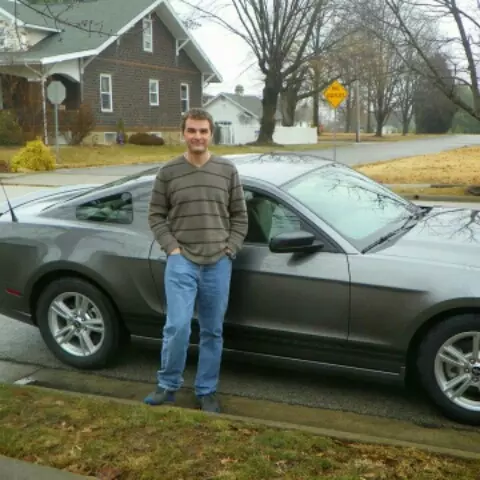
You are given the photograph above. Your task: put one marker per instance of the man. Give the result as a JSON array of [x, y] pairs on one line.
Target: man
[[198, 216]]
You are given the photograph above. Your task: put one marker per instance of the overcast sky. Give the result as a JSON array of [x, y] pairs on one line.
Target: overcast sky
[[231, 55]]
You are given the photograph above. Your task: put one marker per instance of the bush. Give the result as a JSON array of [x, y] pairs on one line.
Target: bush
[[78, 125], [11, 133], [4, 166], [145, 139], [34, 156]]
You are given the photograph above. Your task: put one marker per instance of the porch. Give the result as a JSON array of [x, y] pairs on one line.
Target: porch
[[23, 97]]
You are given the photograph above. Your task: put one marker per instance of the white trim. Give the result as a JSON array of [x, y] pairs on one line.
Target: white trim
[[153, 81], [188, 97], [180, 44], [147, 21], [109, 76], [241, 107], [68, 56], [11, 17], [43, 29]]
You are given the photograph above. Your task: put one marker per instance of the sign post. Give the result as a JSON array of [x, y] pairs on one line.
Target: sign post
[[335, 94], [56, 93]]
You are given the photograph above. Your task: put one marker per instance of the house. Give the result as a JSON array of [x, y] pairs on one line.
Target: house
[[238, 108], [238, 119], [130, 61]]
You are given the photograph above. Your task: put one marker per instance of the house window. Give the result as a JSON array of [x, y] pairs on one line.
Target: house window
[[110, 138], [184, 97], [106, 97], [147, 35], [154, 92]]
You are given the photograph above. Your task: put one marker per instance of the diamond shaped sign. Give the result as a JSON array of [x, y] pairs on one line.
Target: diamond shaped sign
[[335, 94]]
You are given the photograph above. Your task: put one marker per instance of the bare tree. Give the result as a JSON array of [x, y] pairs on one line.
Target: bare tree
[[278, 32], [465, 16]]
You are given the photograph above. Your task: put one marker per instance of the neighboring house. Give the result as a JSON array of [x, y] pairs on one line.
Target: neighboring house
[[238, 117], [130, 60], [238, 109]]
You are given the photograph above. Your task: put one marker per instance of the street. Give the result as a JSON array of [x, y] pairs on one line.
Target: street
[[23, 343], [352, 154]]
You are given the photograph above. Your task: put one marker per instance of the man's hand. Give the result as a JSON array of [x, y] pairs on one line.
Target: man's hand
[[175, 251]]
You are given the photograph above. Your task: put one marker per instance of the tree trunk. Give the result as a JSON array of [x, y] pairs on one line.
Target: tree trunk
[[271, 92], [289, 106], [405, 124], [316, 105], [348, 115], [369, 115], [380, 117]]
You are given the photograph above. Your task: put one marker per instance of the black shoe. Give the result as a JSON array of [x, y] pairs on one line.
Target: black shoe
[[160, 397], [209, 403]]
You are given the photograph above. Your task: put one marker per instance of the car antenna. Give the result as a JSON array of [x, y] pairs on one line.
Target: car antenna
[[12, 212]]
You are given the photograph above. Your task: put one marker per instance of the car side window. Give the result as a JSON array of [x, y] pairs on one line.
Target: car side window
[[117, 208], [268, 218]]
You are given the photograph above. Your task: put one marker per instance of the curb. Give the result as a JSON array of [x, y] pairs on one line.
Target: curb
[[325, 432], [443, 198]]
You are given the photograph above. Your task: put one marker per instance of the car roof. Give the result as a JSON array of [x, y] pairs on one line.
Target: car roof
[[277, 168]]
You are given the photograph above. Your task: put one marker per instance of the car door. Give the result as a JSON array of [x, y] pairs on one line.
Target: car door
[[286, 304]]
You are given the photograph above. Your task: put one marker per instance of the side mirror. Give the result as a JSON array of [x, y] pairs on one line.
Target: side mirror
[[295, 242]]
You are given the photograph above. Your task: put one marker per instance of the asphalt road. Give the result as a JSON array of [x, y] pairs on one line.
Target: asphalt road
[[23, 343], [353, 154]]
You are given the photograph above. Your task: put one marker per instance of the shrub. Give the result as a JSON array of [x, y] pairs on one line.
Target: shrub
[[4, 166], [11, 133], [78, 125], [145, 139], [34, 156]]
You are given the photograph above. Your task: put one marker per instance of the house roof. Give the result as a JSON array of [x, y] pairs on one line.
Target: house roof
[[250, 103], [83, 29]]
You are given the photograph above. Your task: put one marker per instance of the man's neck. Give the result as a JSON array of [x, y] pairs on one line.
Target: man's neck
[[198, 160]]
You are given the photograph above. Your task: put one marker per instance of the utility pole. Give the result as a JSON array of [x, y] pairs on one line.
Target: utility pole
[[357, 100]]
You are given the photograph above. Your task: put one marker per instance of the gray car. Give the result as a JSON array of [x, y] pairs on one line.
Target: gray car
[[337, 271]]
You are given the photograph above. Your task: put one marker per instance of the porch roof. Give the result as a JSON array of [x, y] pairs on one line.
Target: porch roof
[[83, 29]]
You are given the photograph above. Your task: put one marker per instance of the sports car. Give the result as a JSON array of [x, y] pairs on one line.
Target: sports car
[[337, 271]]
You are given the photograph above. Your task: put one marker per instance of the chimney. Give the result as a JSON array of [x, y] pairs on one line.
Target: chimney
[[239, 90]]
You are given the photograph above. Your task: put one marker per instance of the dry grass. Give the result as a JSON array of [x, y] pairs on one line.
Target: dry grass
[[92, 156], [454, 167], [106, 439], [370, 137]]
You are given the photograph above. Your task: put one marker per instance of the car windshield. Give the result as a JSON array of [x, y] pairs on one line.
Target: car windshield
[[358, 208]]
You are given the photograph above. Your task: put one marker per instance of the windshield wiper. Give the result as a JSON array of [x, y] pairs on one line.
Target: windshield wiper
[[408, 224]]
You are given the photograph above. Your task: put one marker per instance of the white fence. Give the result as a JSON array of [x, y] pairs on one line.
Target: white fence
[[241, 134]]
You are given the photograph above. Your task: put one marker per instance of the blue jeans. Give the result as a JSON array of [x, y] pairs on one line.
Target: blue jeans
[[185, 283]]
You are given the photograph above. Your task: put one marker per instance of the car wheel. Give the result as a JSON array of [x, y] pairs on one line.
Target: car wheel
[[78, 323], [449, 367]]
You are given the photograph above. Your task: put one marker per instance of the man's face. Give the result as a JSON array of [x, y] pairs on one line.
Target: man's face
[[197, 135]]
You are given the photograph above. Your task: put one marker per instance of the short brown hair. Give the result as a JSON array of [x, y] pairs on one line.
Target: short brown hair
[[197, 114]]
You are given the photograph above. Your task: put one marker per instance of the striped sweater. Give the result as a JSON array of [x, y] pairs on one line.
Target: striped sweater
[[200, 210]]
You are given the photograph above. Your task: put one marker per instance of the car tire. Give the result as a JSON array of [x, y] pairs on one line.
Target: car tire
[[101, 324], [435, 372]]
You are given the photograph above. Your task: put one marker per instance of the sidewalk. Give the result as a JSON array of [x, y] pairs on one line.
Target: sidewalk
[[17, 470]]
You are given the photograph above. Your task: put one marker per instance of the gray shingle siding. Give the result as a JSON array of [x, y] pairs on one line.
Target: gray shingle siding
[[131, 68]]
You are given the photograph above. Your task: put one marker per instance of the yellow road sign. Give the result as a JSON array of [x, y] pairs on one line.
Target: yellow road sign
[[335, 94]]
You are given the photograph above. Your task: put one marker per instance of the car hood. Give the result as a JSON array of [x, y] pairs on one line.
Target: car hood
[[39, 199], [444, 235]]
